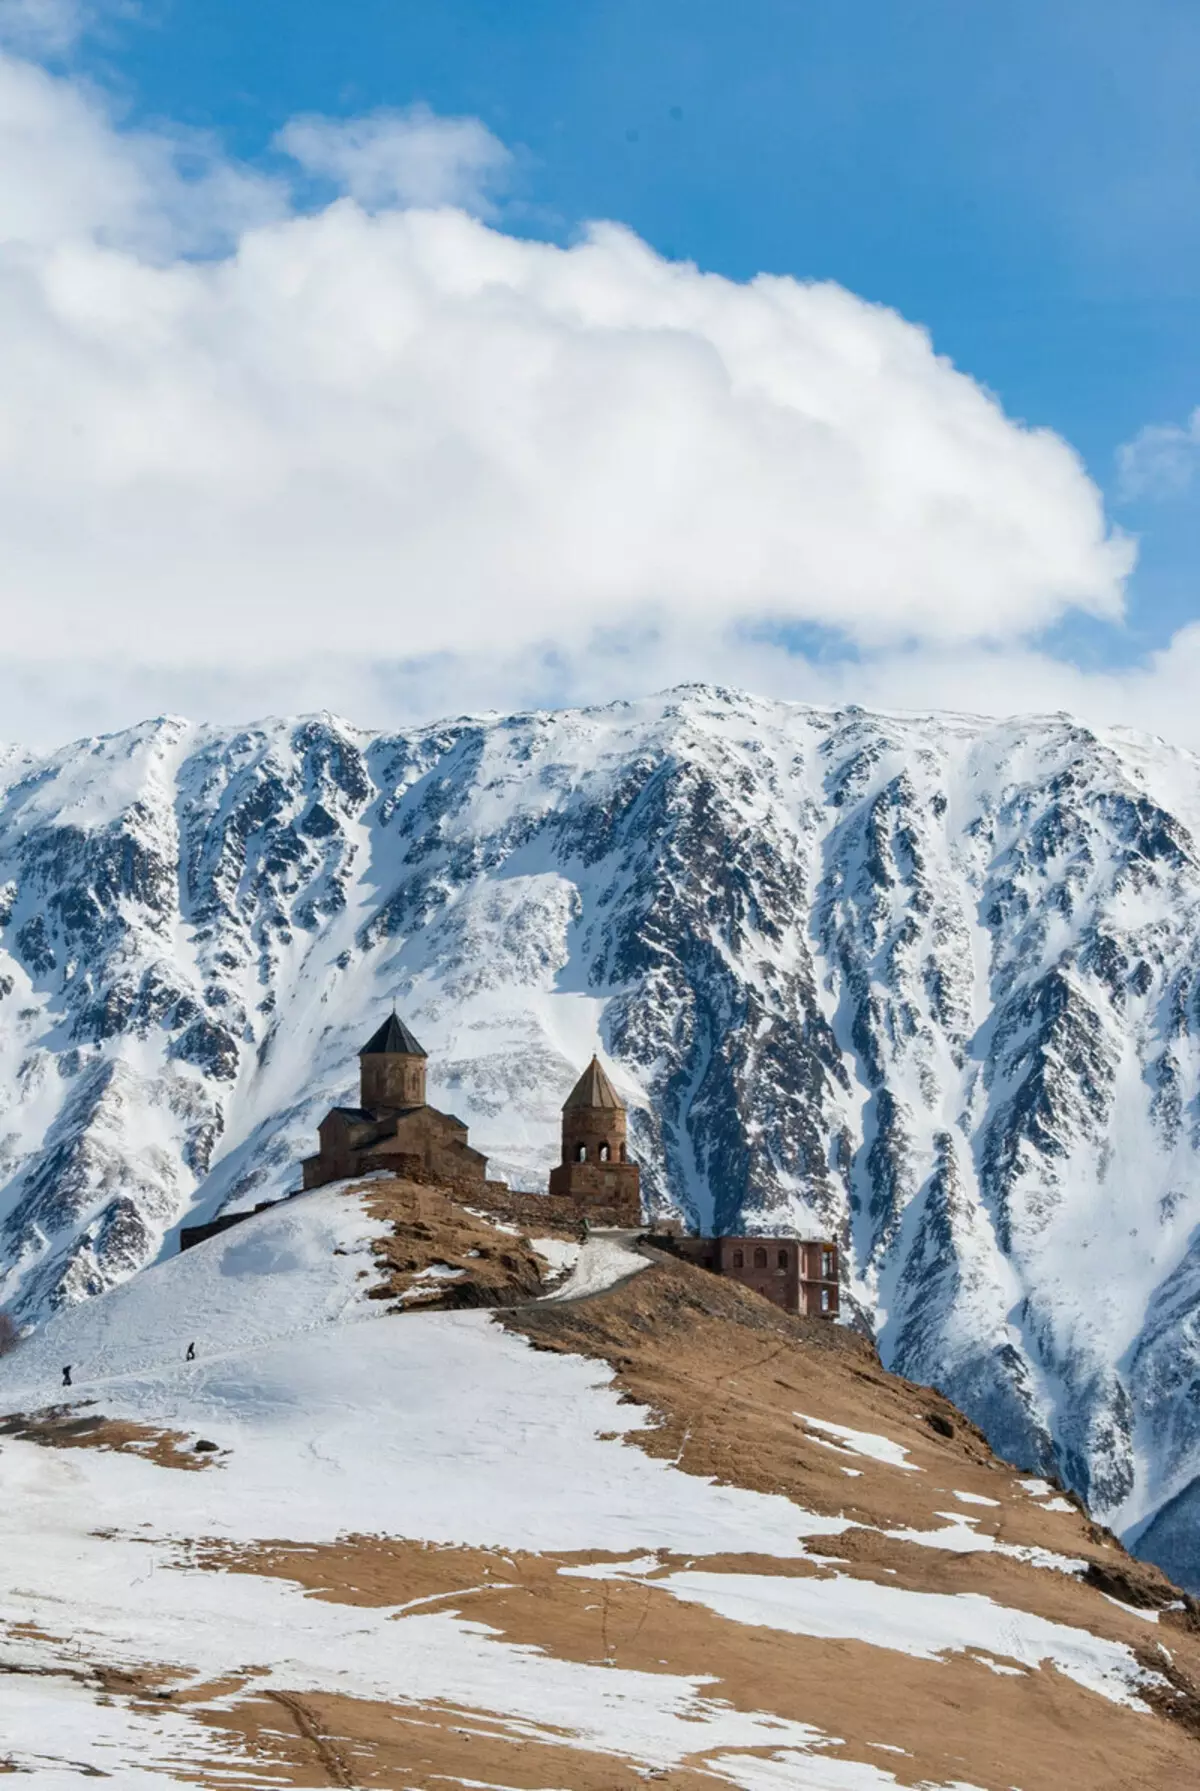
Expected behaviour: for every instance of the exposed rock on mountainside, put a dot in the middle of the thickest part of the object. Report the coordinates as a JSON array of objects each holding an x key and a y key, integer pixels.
[{"x": 931, "y": 983}]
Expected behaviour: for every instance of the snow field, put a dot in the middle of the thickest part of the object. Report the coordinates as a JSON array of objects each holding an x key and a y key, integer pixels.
[
  {"x": 128, "y": 1744},
  {"x": 440, "y": 1426},
  {"x": 788, "y": 1771},
  {"x": 924, "y": 1624},
  {"x": 600, "y": 1264},
  {"x": 335, "y": 1419},
  {"x": 561, "y": 1254}
]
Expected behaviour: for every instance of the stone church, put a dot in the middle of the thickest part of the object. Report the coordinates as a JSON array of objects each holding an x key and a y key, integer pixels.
[{"x": 393, "y": 1127}]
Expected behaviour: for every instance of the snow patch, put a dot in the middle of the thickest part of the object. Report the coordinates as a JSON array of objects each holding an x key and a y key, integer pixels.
[
  {"x": 923, "y": 1624},
  {"x": 861, "y": 1442}
]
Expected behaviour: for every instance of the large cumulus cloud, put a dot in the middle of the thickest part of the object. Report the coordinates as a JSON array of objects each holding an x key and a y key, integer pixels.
[{"x": 234, "y": 429}]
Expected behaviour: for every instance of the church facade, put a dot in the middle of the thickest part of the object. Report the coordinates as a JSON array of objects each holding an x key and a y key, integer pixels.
[{"x": 393, "y": 1127}]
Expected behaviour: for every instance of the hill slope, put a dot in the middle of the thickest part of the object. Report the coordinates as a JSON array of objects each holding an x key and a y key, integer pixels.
[
  {"x": 417, "y": 1551},
  {"x": 929, "y": 982}
]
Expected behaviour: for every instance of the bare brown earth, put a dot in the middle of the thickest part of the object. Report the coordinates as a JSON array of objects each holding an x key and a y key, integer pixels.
[
  {"x": 333, "y": 1740},
  {"x": 431, "y": 1229},
  {"x": 73, "y": 1427},
  {"x": 955, "y": 1719},
  {"x": 724, "y": 1375},
  {"x": 728, "y": 1381}
]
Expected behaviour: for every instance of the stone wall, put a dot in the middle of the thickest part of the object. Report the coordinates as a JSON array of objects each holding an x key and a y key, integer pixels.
[
  {"x": 196, "y": 1234},
  {"x": 539, "y": 1213},
  {"x": 387, "y": 1079},
  {"x": 407, "y": 1166},
  {"x": 611, "y": 1189}
]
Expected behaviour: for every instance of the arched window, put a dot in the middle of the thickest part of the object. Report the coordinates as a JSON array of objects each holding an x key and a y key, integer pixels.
[
  {"x": 783, "y": 1259},
  {"x": 605, "y": 1153},
  {"x": 827, "y": 1265},
  {"x": 739, "y": 1261},
  {"x": 824, "y": 1299},
  {"x": 760, "y": 1259},
  {"x": 581, "y": 1153}
]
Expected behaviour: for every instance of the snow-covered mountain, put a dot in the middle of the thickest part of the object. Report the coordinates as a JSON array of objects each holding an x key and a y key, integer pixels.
[{"x": 930, "y": 982}]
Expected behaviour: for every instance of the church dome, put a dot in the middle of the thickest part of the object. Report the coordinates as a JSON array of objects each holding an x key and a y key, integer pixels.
[
  {"x": 392, "y": 1040},
  {"x": 594, "y": 1089}
]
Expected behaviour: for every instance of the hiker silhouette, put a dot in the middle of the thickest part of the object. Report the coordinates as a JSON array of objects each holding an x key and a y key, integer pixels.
[
  {"x": 191, "y": 1353},
  {"x": 66, "y": 1377}
]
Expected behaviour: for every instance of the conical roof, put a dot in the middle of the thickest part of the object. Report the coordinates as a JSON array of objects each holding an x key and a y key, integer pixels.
[
  {"x": 594, "y": 1089},
  {"x": 392, "y": 1040}
]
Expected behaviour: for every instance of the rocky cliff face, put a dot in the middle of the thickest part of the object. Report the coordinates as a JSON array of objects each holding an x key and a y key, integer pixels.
[{"x": 928, "y": 983}]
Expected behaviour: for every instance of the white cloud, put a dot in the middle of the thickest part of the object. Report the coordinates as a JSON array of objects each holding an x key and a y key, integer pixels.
[
  {"x": 44, "y": 27},
  {"x": 1160, "y": 461},
  {"x": 377, "y": 456},
  {"x": 42, "y": 704},
  {"x": 409, "y": 157},
  {"x": 77, "y": 192}
]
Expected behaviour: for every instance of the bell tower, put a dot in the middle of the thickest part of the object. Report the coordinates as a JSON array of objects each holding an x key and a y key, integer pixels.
[
  {"x": 593, "y": 1120},
  {"x": 391, "y": 1068},
  {"x": 595, "y": 1168}
]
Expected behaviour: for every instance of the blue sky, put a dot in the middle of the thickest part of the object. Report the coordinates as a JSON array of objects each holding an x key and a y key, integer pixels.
[{"x": 1021, "y": 178}]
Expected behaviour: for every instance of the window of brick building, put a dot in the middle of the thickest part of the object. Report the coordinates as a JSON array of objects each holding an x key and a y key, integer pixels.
[
  {"x": 605, "y": 1153},
  {"x": 739, "y": 1261},
  {"x": 783, "y": 1259},
  {"x": 760, "y": 1259}
]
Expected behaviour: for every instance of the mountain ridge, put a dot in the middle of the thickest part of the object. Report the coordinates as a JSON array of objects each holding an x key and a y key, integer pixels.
[{"x": 926, "y": 981}]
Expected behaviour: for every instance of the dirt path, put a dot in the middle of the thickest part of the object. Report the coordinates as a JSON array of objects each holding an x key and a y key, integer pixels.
[{"x": 332, "y": 1763}]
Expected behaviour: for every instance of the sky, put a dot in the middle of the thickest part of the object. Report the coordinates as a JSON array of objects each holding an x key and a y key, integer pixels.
[{"x": 402, "y": 359}]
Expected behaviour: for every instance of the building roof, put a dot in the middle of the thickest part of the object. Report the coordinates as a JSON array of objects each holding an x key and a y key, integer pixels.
[
  {"x": 594, "y": 1089},
  {"x": 407, "y": 1112},
  {"x": 392, "y": 1040}
]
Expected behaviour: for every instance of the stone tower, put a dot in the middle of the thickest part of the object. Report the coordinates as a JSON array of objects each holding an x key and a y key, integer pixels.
[
  {"x": 391, "y": 1069},
  {"x": 595, "y": 1168}
]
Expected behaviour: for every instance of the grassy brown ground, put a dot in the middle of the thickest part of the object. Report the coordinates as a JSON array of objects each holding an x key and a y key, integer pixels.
[
  {"x": 734, "y": 1387},
  {"x": 725, "y": 1375},
  {"x": 955, "y": 1718},
  {"x": 730, "y": 1380},
  {"x": 324, "y": 1739},
  {"x": 430, "y": 1229},
  {"x": 73, "y": 1427}
]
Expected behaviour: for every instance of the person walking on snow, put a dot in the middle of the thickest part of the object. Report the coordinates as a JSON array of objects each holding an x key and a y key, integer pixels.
[
  {"x": 191, "y": 1353},
  {"x": 66, "y": 1377}
]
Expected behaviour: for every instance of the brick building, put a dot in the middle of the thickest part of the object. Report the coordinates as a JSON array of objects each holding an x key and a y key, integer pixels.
[
  {"x": 393, "y": 1127},
  {"x": 799, "y": 1274},
  {"x": 595, "y": 1171}
]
